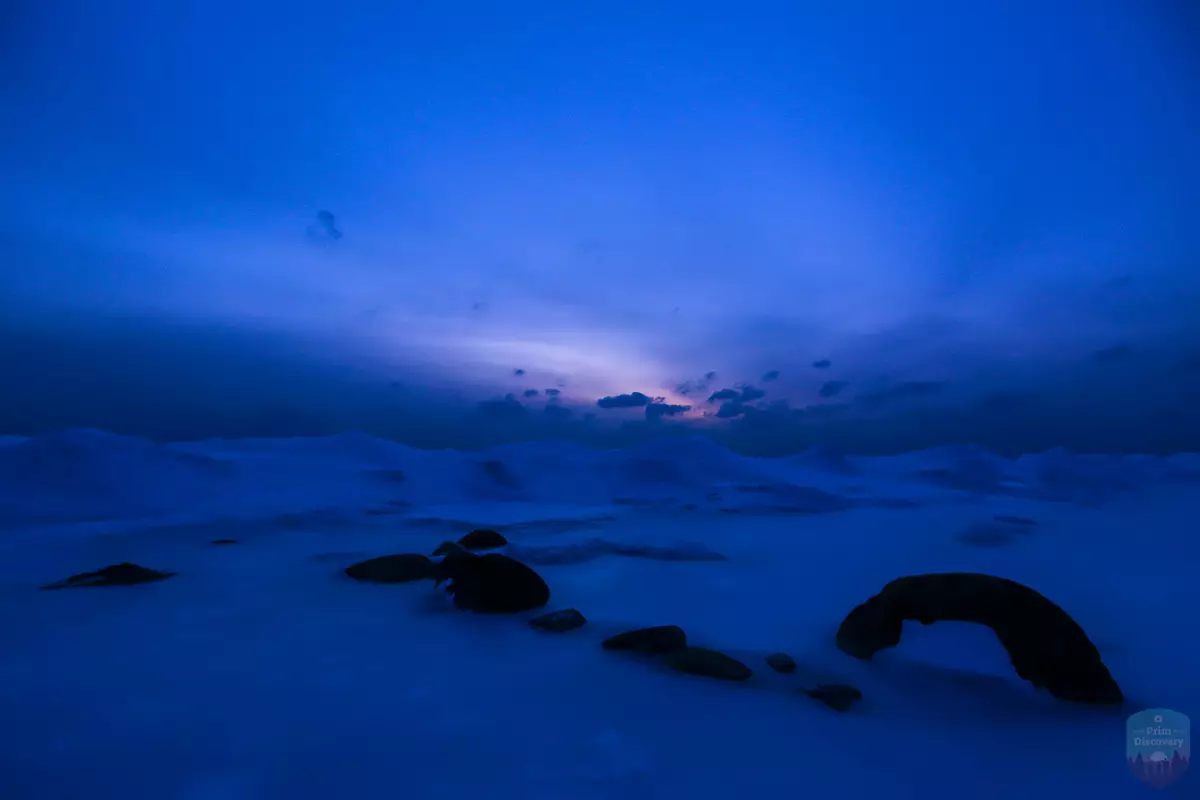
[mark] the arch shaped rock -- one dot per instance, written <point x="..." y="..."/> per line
<point x="1046" y="646"/>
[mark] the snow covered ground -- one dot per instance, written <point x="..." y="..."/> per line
<point x="262" y="671"/>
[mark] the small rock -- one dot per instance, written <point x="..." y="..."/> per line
<point x="124" y="574"/>
<point x="482" y="540"/>
<point x="782" y="662"/>
<point x="559" y="621"/>
<point x="224" y="541"/>
<point x="653" y="641"/>
<point x="837" y="696"/>
<point x="709" y="664"/>
<point x="394" y="569"/>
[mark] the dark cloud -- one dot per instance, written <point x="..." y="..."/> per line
<point x="634" y="400"/>
<point x="518" y="372"/>
<point x="908" y="390"/>
<point x="696" y="385"/>
<point x="658" y="410"/>
<point x="507" y="408"/>
<point x="824" y="363"/>
<point x="553" y="392"/>
<point x="530" y="393"/>
<point x="751" y="393"/>
<point x="724" y="394"/>
<point x="832" y="388"/>
<point x="734" y="408"/>
<point x="770" y="375"/>
<point x="744" y="394"/>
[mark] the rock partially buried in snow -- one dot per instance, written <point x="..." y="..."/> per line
<point x="559" y="621"/>
<point x="837" y="696"/>
<point x="482" y="539"/>
<point x="402" y="568"/>
<point x="490" y="584"/>
<point x="123" y="574"/>
<point x="782" y="663"/>
<point x="708" y="664"/>
<point x="1047" y="647"/>
<point x="652" y="641"/>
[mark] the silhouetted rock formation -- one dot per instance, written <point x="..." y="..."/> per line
<point x="482" y="539"/>
<point x="1046" y="646"/>
<point x="708" y="664"/>
<point x="782" y="663"/>
<point x="401" y="568"/>
<point x="652" y="641"/>
<point x="490" y="584"/>
<point x="124" y="574"/>
<point x="838" y="696"/>
<point x="559" y="621"/>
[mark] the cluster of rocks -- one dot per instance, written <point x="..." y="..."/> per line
<point x="1047" y="647"/>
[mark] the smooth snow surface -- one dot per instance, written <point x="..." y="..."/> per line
<point x="261" y="671"/>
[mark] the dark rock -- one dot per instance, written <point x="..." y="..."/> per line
<point x="482" y="540"/>
<point x="1047" y="647"/>
<point x="653" y="641"/>
<point x="123" y="574"/>
<point x="781" y="662"/>
<point x="490" y="584"/>
<point x="401" y="568"/>
<point x="837" y="696"/>
<point x="452" y="549"/>
<point x="559" y="621"/>
<point x="708" y="664"/>
<point x="224" y="541"/>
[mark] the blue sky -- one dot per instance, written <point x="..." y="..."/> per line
<point x="984" y="216"/>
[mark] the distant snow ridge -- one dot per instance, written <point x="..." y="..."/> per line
<point x="88" y="474"/>
<point x="95" y="474"/>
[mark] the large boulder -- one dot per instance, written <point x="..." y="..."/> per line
<point x="483" y="539"/>
<point x="1046" y="646"/>
<point x="490" y="584"/>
